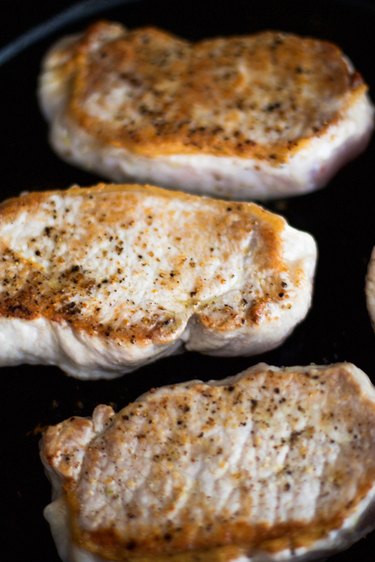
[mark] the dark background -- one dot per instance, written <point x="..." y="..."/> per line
<point x="339" y="216"/>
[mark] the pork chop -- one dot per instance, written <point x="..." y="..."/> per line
<point x="102" y="280"/>
<point x="261" y="116"/>
<point x="273" y="464"/>
<point x="370" y="288"/>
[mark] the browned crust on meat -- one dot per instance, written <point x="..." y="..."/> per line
<point x="223" y="539"/>
<point x="31" y="291"/>
<point x="235" y="539"/>
<point x="298" y="88"/>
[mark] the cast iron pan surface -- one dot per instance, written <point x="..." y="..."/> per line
<point x="340" y="217"/>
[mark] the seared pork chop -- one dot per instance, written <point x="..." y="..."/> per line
<point x="102" y="280"/>
<point x="273" y="464"/>
<point x="370" y="287"/>
<point x="260" y="116"/>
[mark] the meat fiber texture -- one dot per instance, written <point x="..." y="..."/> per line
<point x="270" y="465"/>
<point x="102" y="280"/>
<point x="247" y="117"/>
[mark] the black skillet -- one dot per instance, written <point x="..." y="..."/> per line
<point x="339" y="216"/>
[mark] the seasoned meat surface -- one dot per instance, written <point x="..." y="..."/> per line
<point x="273" y="464"/>
<point x="102" y="280"/>
<point x="261" y="116"/>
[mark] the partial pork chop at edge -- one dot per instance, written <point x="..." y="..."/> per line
<point x="102" y="280"/>
<point x="370" y="288"/>
<point x="273" y="464"/>
<point x="262" y="116"/>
